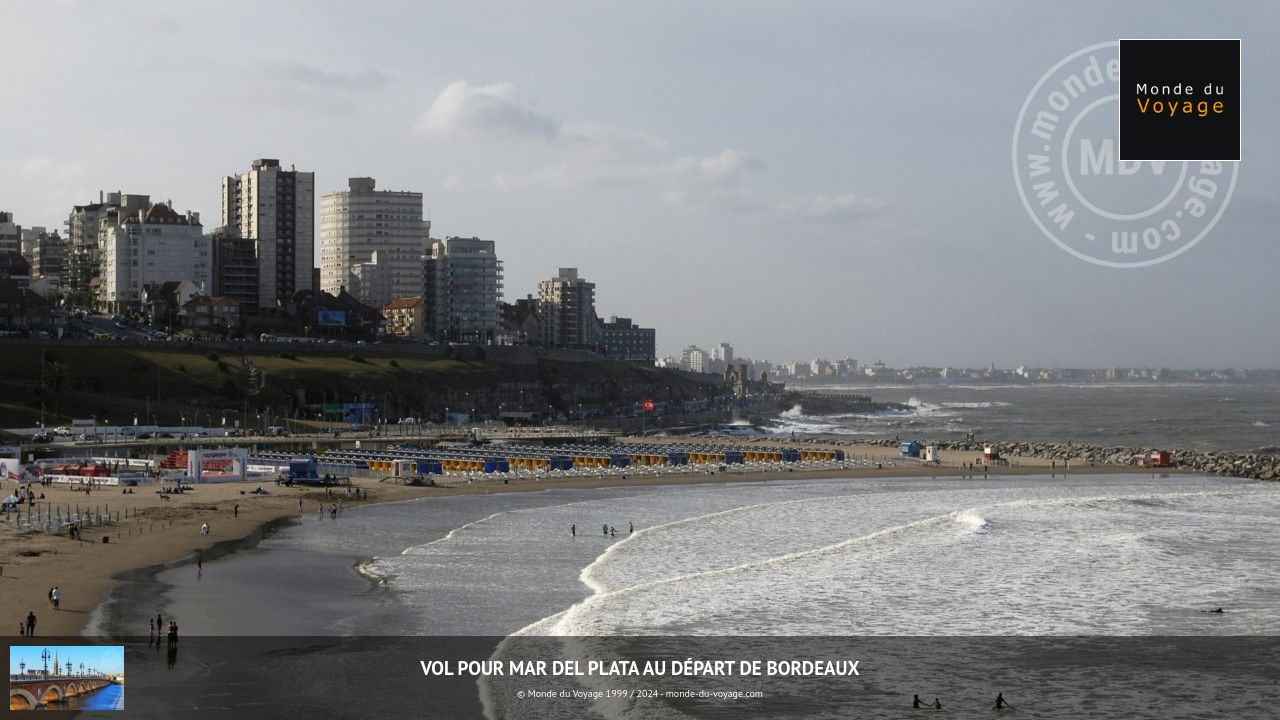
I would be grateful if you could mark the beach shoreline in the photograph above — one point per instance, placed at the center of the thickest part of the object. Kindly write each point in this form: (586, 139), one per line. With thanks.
(160, 534)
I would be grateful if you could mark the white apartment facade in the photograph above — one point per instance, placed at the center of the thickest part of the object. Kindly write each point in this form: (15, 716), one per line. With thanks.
(361, 226)
(154, 246)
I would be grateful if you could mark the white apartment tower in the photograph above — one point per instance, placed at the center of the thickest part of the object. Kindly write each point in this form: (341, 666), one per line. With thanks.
(276, 209)
(371, 242)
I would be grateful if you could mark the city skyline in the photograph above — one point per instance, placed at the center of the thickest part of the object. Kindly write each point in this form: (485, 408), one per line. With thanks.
(818, 167)
(108, 659)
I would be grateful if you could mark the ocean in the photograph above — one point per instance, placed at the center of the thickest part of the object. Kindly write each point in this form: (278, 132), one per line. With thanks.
(1227, 417)
(1024, 555)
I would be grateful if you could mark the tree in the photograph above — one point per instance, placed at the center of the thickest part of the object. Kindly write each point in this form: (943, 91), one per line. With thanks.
(54, 377)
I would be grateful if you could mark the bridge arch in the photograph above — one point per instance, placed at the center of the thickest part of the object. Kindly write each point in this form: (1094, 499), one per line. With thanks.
(20, 699)
(70, 690)
(52, 694)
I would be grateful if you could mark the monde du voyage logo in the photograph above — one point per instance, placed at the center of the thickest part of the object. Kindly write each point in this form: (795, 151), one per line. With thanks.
(1129, 169)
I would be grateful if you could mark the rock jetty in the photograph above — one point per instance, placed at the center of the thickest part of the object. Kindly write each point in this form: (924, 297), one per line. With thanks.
(1256, 466)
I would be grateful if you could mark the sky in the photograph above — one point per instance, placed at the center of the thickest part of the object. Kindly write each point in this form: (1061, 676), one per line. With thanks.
(108, 659)
(818, 179)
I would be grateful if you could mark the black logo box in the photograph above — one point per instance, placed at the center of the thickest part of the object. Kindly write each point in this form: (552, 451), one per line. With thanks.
(1180, 64)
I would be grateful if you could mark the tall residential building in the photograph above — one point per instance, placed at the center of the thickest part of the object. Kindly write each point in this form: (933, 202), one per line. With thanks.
(45, 250)
(10, 233)
(371, 242)
(462, 283)
(622, 339)
(154, 246)
(722, 352)
(85, 227)
(276, 209)
(695, 359)
(567, 304)
(235, 268)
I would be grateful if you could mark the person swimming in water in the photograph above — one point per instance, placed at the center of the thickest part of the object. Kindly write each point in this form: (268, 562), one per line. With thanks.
(1000, 702)
(937, 704)
(916, 702)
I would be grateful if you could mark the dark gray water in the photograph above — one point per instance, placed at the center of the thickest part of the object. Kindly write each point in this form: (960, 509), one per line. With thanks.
(1240, 418)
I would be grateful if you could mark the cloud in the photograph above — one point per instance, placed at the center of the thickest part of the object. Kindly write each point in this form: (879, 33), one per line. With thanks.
(300, 87)
(589, 155)
(463, 108)
(299, 73)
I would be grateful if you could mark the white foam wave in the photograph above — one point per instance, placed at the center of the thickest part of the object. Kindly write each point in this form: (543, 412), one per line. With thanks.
(974, 521)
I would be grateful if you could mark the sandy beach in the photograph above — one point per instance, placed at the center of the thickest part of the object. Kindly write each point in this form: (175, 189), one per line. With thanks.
(156, 531)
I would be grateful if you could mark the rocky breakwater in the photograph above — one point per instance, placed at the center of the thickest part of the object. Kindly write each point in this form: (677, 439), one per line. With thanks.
(1256, 466)
(834, 403)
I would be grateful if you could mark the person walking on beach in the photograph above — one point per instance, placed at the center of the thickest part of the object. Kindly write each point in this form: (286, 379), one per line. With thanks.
(204, 529)
(299, 506)
(56, 594)
(31, 624)
(573, 530)
(631, 527)
(151, 630)
(236, 511)
(50, 598)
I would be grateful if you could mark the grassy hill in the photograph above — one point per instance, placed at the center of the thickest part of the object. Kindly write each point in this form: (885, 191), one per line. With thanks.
(116, 383)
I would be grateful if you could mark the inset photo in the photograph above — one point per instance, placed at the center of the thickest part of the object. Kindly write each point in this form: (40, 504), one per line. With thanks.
(66, 677)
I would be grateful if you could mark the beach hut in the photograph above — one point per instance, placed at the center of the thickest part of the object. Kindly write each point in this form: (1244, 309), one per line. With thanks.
(430, 467)
(931, 454)
(1159, 458)
(909, 449)
(990, 454)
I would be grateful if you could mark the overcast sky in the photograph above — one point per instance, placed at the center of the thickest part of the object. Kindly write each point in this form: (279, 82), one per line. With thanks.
(799, 179)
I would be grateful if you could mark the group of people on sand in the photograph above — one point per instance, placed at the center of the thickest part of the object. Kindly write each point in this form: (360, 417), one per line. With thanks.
(918, 704)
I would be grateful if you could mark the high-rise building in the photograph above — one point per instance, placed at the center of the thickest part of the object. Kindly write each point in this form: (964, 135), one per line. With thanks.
(10, 233)
(567, 304)
(462, 284)
(275, 208)
(694, 359)
(85, 227)
(235, 268)
(722, 352)
(622, 339)
(152, 247)
(46, 252)
(362, 227)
